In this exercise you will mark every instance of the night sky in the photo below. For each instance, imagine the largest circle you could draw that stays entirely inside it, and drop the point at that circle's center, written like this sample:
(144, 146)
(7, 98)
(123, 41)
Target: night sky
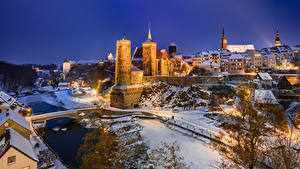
(48, 31)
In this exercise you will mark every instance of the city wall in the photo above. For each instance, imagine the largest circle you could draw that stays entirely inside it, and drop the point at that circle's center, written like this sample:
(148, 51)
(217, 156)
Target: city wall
(186, 80)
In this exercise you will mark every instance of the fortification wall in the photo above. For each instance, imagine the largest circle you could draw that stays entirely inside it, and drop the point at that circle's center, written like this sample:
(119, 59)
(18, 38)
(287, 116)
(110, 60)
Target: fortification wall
(185, 80)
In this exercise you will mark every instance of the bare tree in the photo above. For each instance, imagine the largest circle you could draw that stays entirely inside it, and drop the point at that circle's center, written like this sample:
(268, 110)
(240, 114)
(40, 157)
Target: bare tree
(283, 152)
(246, 132)
(100, 150)
(167, 155)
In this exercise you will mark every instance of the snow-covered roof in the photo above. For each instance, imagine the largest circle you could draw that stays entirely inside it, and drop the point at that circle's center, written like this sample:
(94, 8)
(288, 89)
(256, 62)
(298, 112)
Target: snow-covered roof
(295, 48)
(240, 48)
(209, 63)
(134, 68)
(178, 56)
(6, 98)
(92, 61)
(18, 142)
(14, 116)
(173, 44)
(63, 83)
(236, 56)
(265, 76)
(264, 97)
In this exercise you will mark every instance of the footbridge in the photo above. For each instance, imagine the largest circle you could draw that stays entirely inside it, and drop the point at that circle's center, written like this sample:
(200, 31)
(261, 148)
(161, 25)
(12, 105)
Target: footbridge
(71, 113)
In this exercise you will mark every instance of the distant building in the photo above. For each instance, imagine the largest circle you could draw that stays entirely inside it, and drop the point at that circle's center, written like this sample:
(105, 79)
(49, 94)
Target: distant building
(16, 151)
(67, 65)
(236, 63)
(240, 48)
(270, 60)
(210, 66)
(257, 58)
(110, 57)
(173, 50)
(233, 48)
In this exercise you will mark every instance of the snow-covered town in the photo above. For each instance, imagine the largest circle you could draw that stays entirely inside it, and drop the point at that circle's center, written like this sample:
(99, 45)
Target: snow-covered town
(144, 103)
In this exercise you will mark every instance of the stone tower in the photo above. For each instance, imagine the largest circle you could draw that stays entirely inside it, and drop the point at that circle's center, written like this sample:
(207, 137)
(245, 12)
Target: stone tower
(277, 40)
(128, 86)
(123, 62)
(223, 41)
(149, 56)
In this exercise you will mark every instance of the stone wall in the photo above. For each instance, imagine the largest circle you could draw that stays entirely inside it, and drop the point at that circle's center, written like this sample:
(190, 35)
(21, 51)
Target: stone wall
(185, 80)
(125, 98)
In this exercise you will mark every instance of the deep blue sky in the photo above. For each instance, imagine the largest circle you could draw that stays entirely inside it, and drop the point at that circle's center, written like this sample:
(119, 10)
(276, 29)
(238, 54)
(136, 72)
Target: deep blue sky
(48, 31)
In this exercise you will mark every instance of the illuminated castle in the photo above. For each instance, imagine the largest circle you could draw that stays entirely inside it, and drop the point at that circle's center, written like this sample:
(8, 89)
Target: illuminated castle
(128, 87)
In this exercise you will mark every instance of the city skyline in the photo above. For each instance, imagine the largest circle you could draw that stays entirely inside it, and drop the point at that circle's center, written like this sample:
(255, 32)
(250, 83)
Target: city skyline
(48, 33)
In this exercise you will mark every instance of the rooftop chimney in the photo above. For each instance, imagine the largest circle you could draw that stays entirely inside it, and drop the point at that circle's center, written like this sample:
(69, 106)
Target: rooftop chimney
(7, 136)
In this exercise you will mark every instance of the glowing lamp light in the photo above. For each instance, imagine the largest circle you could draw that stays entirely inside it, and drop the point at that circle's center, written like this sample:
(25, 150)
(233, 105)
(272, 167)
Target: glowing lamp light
(298, 126)
(94, 92)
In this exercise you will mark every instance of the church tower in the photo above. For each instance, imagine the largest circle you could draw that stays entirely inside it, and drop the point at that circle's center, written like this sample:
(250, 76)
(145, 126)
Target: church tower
(223, 41)
(123, 62)
(277, 40)
(149, 56)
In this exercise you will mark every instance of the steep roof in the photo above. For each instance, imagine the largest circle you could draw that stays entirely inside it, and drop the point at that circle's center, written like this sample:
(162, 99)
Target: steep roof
(18, 142)
(264, 97)
(284, 83)
(209, 63)
(240, 48)
(6, 98)
(236, 56)
(14, 116)
(265, 76)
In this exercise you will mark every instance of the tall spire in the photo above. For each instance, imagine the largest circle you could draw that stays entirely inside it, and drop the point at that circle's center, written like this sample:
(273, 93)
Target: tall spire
(124, 37)
(277, 40)
(223, 33)
(149, 34)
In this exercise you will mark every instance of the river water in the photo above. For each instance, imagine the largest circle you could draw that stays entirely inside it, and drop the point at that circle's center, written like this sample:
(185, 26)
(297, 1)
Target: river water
(65, 143)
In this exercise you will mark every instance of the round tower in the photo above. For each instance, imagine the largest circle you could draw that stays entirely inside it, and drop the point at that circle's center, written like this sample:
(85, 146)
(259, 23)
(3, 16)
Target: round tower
(172, 50)
(123, 62)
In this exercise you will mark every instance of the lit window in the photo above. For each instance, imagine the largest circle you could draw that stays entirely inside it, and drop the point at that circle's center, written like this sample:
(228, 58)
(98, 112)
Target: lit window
(28, 167)
(11, 160)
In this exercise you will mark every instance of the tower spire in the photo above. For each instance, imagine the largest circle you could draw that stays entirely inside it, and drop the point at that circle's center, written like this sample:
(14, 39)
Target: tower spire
(277, 39)
(124, 37)
(223, 33)
(149, 34)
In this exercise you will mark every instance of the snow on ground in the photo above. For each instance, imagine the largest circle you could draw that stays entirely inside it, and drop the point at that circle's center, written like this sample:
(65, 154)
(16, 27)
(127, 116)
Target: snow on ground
(193, 150)
(63, 98)
(67, 100)
(194, 117)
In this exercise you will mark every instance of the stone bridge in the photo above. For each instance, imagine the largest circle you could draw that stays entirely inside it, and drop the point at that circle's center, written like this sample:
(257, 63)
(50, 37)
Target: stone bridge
(71, 113)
